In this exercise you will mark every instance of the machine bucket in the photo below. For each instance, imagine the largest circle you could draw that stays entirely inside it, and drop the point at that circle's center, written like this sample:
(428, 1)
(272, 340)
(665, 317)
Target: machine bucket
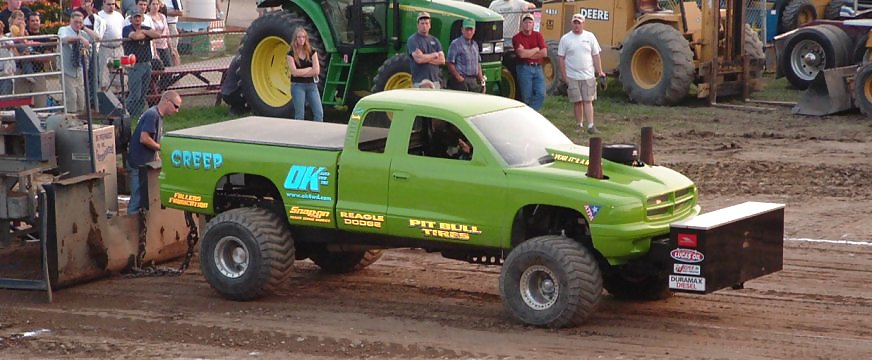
(829, 93)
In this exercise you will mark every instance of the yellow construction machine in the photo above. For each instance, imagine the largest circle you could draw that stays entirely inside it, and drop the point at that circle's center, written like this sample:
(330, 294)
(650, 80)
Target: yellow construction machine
(659, 52)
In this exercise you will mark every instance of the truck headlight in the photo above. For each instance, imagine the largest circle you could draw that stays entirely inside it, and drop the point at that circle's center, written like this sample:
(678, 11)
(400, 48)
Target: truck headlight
(498, 47)
(487, 48)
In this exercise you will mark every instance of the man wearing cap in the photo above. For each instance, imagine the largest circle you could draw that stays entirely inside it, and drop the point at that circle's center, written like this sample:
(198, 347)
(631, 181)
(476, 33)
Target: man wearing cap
(464, 60)
(530, 48)
(426, 54)
(138, 42)
(580, 63)
(510, 9)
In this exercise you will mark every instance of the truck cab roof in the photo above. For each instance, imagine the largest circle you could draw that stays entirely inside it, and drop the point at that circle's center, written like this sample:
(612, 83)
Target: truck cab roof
(464, 104)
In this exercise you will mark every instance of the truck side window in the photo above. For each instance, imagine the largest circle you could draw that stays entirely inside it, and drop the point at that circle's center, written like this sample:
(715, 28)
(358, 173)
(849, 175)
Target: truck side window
(438, 138)
(374, 132)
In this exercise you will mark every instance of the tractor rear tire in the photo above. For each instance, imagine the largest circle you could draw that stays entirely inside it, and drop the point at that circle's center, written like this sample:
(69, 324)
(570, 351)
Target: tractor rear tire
(247, 253)
(345, 262)
(231, 92)
(551, 281)
(834, 9)
(263, 71)
(863, 89)
(827, 44)
(656, 65)
(554, 84)
(394, 73)
(796, 13)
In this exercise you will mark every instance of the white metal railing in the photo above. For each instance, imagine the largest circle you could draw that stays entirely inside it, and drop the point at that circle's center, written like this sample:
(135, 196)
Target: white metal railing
(51, 49)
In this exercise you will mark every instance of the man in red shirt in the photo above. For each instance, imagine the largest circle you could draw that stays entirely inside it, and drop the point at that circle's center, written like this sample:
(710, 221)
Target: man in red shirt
(530, 49)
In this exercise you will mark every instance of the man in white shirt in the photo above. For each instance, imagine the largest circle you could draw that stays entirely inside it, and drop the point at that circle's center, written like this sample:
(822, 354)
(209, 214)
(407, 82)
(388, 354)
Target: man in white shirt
(174, 10)
(110, 48)
(511, 11)
(580, 63)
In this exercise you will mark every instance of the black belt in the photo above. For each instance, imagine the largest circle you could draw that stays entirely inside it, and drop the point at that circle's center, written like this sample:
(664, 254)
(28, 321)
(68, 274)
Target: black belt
(531, 64)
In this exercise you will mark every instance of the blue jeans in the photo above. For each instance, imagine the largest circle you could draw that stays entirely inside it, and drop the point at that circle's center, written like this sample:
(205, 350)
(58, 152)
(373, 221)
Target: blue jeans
(303, 93)
(138, 188)
(531, 83)
(138, 82)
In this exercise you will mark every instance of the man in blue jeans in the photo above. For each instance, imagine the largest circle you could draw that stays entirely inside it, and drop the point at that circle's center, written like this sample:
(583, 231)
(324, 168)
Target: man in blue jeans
(144, 147)
(530, 49)
(137, 41)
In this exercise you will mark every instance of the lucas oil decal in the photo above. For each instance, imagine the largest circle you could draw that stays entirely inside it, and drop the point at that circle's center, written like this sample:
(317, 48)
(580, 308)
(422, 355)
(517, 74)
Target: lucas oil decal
(687, 255)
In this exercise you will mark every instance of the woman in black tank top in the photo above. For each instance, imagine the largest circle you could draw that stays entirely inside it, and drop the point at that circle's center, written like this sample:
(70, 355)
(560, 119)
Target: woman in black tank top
(304, 65)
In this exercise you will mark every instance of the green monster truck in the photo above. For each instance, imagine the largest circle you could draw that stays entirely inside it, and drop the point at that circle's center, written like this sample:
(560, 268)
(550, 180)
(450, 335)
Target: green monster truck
(478, 178)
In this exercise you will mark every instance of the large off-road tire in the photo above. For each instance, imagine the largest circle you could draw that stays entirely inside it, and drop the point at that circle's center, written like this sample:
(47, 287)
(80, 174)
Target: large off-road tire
(554, 84)
(813, 49)
(796, 13)
(656, 65)
(346, 261)
(247, 253)
(263, 72)
(862, 91)
(231, 92)
(648, 287)
(394, 73)
(834, 9)
(551, 281)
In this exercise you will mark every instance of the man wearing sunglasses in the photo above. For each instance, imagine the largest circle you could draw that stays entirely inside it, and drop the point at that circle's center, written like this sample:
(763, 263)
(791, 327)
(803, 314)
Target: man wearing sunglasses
(144, 147)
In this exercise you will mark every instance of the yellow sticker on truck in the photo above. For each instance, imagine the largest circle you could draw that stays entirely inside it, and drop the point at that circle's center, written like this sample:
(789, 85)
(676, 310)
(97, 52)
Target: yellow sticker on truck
(445, 230)
(310, 215)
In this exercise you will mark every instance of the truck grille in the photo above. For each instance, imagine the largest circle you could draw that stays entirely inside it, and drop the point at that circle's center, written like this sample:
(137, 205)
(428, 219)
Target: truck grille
(669, 204)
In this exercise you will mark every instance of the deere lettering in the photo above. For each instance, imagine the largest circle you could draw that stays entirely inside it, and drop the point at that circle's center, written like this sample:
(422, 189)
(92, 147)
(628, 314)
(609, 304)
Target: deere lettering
(306, 178)
(595, 14)
(196, 160)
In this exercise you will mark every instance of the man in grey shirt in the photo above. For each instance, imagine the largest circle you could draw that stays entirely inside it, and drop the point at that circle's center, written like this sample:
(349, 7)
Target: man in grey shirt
(426, 54)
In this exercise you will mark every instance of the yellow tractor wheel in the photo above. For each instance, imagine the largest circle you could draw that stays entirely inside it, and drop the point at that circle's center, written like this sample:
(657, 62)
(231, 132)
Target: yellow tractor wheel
(394, 73)
(863, 89)
(263, 74)
(508, 84)
(796, 13)
(656, 65)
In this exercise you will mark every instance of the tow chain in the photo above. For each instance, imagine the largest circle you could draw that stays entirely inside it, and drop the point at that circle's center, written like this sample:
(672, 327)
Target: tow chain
(152, 270)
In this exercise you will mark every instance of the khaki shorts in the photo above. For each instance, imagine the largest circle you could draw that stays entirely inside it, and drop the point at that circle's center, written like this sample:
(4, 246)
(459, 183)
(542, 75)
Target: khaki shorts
(581, 90)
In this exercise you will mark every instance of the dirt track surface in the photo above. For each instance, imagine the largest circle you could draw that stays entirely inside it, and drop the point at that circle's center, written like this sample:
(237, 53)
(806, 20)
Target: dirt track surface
(412, 304)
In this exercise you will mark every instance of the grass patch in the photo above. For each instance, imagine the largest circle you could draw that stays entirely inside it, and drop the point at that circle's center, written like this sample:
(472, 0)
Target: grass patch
(196, 116)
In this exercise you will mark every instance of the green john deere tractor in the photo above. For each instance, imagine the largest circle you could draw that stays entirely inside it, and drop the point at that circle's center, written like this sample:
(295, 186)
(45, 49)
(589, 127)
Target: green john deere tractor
(361, 46)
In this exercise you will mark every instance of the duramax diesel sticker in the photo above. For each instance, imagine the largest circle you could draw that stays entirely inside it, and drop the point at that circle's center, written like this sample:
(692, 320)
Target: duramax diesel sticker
(194, 201)
(693, 283)
(361, 219)
(444, 230)
(311, 215)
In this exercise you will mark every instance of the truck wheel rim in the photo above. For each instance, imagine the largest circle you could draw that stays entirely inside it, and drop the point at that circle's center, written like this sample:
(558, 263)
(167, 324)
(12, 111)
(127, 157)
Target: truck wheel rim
(807, 58)
(269, 71)
(647, 67)
(539, 288)
(400, 80)
(231, 257)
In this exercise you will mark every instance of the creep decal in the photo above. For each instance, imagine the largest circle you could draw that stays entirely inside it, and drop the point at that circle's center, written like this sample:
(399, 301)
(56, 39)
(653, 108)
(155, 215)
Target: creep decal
(444, 230)
(693, 283)
(308, 180)
(570, 159)
(687, 255)
(687, 269)
(196, 160)
(591, 211)
(310, 215)
(595, 14)
(194, 201)
(361, 219)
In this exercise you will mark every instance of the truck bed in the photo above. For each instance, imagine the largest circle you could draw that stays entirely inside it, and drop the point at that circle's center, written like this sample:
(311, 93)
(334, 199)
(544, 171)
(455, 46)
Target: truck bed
(273, 131)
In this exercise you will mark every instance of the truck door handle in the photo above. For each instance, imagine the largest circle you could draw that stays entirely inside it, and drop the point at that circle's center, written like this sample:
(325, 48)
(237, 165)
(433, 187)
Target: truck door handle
(401, 176)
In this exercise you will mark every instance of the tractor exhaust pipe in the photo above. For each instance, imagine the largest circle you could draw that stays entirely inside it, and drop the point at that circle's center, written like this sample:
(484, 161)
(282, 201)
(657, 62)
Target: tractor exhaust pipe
(647, 147)
(595, 167)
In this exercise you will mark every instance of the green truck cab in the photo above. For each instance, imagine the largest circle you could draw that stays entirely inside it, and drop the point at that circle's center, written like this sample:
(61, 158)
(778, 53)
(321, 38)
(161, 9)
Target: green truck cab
(478, 178)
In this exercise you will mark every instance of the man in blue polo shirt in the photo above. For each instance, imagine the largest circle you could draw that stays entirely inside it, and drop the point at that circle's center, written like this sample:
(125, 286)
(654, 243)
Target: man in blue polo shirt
(144, 147)
(464, 61)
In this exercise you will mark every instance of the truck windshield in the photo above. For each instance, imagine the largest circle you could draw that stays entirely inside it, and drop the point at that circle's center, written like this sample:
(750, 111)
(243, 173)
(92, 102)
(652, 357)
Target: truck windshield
(520, 135)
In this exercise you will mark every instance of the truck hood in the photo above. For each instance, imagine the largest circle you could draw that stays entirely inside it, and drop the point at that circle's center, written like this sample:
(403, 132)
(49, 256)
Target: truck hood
(640, 182)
